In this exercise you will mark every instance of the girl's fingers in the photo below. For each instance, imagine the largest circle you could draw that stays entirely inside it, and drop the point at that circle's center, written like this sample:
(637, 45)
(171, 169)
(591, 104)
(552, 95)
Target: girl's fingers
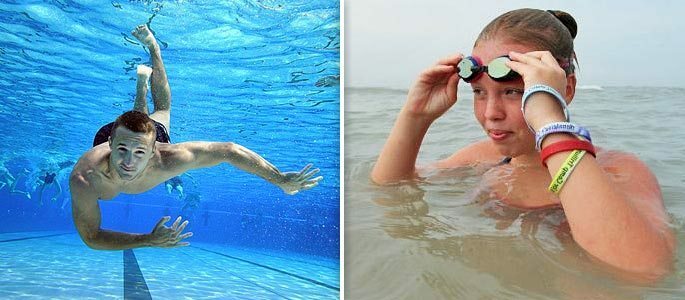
(536, 57)
(529, 64)
(452, 86)
(525, 58)
(549, 60)
(519, 67)
(544, 56)
(438, 71)
(536, 54)
(451, 60)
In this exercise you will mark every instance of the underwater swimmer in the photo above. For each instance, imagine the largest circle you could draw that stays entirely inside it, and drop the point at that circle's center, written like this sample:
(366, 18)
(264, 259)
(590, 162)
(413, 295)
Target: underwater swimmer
(134, 159)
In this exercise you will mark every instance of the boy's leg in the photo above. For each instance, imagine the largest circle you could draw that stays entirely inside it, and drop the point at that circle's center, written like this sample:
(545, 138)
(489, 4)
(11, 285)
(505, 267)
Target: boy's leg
(140, 103)
(161, 93)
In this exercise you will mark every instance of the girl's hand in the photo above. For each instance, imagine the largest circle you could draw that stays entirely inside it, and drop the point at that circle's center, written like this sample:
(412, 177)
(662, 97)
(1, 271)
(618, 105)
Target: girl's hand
(435, 91)
(540, 67)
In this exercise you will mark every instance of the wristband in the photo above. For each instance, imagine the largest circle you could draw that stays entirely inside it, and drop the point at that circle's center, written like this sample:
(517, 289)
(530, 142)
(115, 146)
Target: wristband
(565, 146)
(565, 171)
(547, 89)
(557, 127)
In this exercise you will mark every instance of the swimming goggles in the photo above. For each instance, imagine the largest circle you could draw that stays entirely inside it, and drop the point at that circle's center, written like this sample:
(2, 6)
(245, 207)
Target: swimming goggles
(470, 68)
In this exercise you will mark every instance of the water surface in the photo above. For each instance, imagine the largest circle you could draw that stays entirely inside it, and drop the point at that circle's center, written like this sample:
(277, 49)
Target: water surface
(437, 240)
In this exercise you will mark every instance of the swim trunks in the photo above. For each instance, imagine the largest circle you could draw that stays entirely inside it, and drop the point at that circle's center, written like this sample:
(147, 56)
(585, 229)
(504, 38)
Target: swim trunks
(105, 131)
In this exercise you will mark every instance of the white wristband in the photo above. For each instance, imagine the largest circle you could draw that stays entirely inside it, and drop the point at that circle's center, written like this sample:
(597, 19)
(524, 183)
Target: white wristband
(547, 89)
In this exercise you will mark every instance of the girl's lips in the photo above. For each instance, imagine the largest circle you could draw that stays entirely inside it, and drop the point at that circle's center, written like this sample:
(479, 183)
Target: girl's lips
(499, 135)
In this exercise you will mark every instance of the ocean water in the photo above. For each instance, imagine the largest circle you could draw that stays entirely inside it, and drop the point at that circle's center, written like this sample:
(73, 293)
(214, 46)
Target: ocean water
(263, 74)
(429, 240)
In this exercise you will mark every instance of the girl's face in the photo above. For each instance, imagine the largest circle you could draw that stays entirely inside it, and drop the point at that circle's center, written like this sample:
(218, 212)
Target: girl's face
(497, 105)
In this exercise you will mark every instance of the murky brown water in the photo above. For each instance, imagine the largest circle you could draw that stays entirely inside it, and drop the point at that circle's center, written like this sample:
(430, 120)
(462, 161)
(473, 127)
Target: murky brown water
(444, 239)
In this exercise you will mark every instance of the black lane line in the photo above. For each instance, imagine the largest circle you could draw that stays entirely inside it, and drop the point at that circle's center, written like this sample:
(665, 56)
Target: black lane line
(236, 275)
(135, 287)
(34, 237)
(296, 260)
(319, 283)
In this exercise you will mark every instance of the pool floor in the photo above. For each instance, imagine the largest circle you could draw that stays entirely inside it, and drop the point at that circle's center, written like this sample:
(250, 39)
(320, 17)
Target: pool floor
(39, 265)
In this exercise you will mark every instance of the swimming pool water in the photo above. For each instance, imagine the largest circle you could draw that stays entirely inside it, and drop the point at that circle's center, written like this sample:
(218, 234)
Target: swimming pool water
(263, 74)
(53, 265)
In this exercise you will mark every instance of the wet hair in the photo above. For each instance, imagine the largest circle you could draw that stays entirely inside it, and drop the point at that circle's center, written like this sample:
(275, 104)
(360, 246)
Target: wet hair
(550, 30)
(135, 121)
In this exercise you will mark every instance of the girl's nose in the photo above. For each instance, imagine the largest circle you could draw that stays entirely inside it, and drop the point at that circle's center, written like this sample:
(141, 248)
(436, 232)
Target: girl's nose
(494, 110)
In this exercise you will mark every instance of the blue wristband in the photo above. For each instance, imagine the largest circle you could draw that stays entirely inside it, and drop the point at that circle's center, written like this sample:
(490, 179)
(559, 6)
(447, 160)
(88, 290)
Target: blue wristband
(557, 127)
(549, 90)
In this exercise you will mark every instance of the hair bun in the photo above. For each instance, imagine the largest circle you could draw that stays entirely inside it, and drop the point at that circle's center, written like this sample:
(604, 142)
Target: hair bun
(567, 20)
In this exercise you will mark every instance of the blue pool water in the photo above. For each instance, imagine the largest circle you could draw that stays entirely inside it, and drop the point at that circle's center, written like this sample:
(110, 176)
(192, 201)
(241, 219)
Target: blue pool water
(263, 74)
(202, 271)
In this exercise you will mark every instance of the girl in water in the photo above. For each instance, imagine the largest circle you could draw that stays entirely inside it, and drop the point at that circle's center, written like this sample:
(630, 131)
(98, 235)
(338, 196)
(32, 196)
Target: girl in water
(521, 70)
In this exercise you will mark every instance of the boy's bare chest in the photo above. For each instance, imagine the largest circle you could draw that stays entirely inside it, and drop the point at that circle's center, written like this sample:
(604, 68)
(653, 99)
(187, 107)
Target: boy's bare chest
(143, 183)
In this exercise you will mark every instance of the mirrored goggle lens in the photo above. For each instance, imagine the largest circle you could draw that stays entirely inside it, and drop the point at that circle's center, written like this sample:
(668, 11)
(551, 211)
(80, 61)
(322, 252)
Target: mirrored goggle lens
(498, 69)
(466, 68)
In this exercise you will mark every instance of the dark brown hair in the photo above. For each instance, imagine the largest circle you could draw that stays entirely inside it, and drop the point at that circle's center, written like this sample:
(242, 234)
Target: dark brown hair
(550, 30)
(135, 121)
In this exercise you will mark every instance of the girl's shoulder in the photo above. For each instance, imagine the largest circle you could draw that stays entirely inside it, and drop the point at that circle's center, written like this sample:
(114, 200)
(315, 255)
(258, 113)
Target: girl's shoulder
(623, 164)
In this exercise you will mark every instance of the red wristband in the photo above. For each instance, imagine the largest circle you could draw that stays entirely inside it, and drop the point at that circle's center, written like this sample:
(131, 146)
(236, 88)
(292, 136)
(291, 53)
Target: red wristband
(567, 145)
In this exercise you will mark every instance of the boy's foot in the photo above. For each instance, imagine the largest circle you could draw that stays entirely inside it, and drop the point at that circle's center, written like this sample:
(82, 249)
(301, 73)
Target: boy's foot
(144, 72)
(143, 34)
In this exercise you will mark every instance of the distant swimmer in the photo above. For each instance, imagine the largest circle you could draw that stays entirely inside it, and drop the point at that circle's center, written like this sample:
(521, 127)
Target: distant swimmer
(192, 203)
(48, 179)
(49, 175)
(133, 154)
(176, 184)
(6, 179)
